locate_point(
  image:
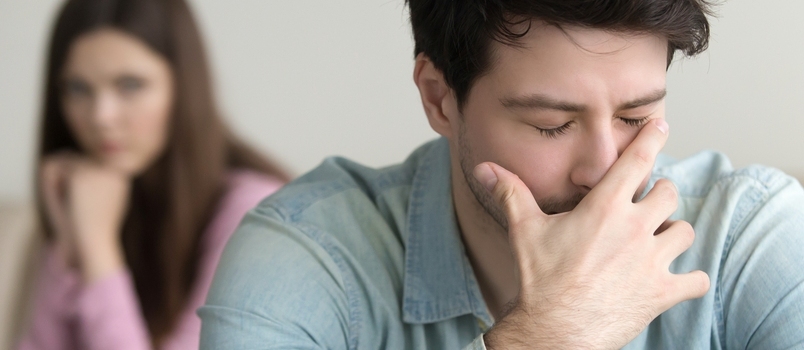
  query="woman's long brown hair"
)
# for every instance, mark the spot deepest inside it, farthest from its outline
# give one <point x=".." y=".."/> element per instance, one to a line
<point x="172" y="201"/>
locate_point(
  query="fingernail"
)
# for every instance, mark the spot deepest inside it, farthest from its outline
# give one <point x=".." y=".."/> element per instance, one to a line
<point x="662" y="125"/>
<point x="486" y="176"/>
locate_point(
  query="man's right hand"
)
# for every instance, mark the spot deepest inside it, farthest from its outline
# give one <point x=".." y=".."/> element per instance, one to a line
<point x="594" y="277"/>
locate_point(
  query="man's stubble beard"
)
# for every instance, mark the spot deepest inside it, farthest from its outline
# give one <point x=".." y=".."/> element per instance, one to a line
<point x="483" y="196"/>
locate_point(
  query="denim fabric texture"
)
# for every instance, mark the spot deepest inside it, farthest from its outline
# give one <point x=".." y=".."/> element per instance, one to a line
<point x="349" y="257"/>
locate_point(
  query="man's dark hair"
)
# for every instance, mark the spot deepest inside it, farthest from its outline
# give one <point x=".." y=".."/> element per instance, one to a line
<point x="457" y="34"/>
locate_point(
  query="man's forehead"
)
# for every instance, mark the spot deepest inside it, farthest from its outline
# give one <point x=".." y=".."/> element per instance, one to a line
<point x="592" y="41"/>
<point x="577" y="66"/>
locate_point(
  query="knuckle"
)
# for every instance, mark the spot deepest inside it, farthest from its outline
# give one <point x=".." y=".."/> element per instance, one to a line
<point x="505" y="198"/>
<point x="703" y="283"/>
<point x="668" y="190"/>
<point x="505" y="195"/>
<point x="686" y="232"/>
<point x="643" y="157"/>
<point x="699" y="283"/>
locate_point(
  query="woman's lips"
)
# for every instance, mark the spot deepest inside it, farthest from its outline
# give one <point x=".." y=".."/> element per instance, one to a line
<point x="111" y="147"/>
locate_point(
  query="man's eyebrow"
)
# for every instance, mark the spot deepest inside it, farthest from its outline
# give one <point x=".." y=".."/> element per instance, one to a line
<point x="540" y="101"/>
<point x="652" y="97"/>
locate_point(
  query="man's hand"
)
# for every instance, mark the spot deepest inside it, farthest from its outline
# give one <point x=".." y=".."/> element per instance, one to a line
<point x="594" y="277"/>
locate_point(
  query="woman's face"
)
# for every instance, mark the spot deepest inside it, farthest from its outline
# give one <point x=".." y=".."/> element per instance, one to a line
<point x="117" y="97"/>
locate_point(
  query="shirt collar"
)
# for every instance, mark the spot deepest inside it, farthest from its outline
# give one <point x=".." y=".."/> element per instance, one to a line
<point x="439" y="281"/>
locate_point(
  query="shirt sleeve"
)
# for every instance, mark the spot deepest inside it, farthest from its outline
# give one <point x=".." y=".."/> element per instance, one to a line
<point x="103" y="315"/>
<point x="275" y="288"/>
<point x="761" y="292"/>
<point x="477" y="344"/>
<point x="54" y="288"/>
<point x="108" y="315"/>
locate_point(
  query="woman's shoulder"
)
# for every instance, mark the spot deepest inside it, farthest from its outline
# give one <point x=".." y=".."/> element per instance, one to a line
<point x="244" y="189"/>
<point x="251" y="184"/>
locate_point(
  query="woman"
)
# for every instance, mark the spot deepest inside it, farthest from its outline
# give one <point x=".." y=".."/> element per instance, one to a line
<point x="140" y="184"/>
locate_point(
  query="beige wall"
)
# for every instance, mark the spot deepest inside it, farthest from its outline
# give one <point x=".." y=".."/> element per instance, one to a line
<point x="307" y="79"/>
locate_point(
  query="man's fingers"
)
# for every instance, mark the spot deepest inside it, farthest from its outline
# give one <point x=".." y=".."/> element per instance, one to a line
<point x="636" y="162"/>
<point x="691" y="285"/>
<point x="673" y="241"/>
<point x="508" y="192"/>
<point x="661" y="201"/>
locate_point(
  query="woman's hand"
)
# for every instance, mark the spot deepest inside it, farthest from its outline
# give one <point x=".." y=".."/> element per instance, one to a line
<point x="86" y="204"/>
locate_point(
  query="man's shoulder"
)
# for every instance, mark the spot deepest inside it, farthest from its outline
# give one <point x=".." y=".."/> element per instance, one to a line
<point x="339" y="210"/>
<point x="707" y="171"/>
<point x="749" y="227"/>
<point x="735" y="209"/>
<point x="335" y="236"/>
<point x="343" y="186"/>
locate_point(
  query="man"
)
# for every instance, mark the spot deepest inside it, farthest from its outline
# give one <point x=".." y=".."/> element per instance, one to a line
<point x="539" y="220"/>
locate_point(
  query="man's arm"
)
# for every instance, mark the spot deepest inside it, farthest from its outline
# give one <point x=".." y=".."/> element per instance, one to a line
<point x="274" y="288"/>
<point x="761" y="284"/>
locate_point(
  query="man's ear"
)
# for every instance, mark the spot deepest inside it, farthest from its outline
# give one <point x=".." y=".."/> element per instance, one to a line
<point x="437" y="98"/>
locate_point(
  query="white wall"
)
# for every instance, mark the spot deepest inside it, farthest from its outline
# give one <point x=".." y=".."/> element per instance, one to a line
<point x="745" y="96"/>
<point x="312" y="78"/>
<point x="23" y="30"/>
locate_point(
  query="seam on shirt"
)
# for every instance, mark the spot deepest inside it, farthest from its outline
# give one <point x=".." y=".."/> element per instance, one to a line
<point x="317" y="236"/>
<point x="755" y="195"/>
<point x="750" y="338"/>
<point x="346" y="276"/>
<point x="242" y="311"/>
<point x="290" y="209"/>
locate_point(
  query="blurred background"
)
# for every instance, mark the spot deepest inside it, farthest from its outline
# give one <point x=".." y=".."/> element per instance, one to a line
<point x="308" y="79"/>
<point x="312" y="78"/>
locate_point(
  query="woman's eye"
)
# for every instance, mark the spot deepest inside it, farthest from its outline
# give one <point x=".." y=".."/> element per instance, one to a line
<point x="76" y="88"/>
<point x="554" y="132"/>
<point x="130" y="84"/>
<point x="634" y="121"/>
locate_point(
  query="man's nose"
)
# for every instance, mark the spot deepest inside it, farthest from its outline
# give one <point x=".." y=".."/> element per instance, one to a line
<point x="594" y="157"/>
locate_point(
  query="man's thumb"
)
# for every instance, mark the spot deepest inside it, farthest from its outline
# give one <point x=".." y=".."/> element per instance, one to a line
<point x="508" y="191"/>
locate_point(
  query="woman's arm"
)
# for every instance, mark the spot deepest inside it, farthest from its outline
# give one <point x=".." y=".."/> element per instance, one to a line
<point x="49" y="318"/>
<point x="107" y="315"/>
<point x="69" y="315"/>
<point x="86" y="297"/>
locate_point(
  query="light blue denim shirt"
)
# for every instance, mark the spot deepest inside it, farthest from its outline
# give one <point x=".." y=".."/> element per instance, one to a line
<point x="349" y="257"/>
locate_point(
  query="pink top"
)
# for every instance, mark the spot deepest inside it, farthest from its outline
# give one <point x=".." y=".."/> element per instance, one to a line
<point x="106" y="314"/>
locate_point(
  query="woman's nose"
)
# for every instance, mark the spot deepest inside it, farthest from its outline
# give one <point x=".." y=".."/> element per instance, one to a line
<point x="106" y="111"/>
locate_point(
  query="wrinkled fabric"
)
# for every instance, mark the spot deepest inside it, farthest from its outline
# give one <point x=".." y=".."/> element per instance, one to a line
<point x="349" y="257"/>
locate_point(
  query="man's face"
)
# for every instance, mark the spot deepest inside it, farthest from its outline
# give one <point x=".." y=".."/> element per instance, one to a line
<point x="559" y="111"/>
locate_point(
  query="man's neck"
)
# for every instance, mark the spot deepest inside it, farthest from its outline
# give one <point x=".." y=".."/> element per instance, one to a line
<point x="487" y="247"/>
